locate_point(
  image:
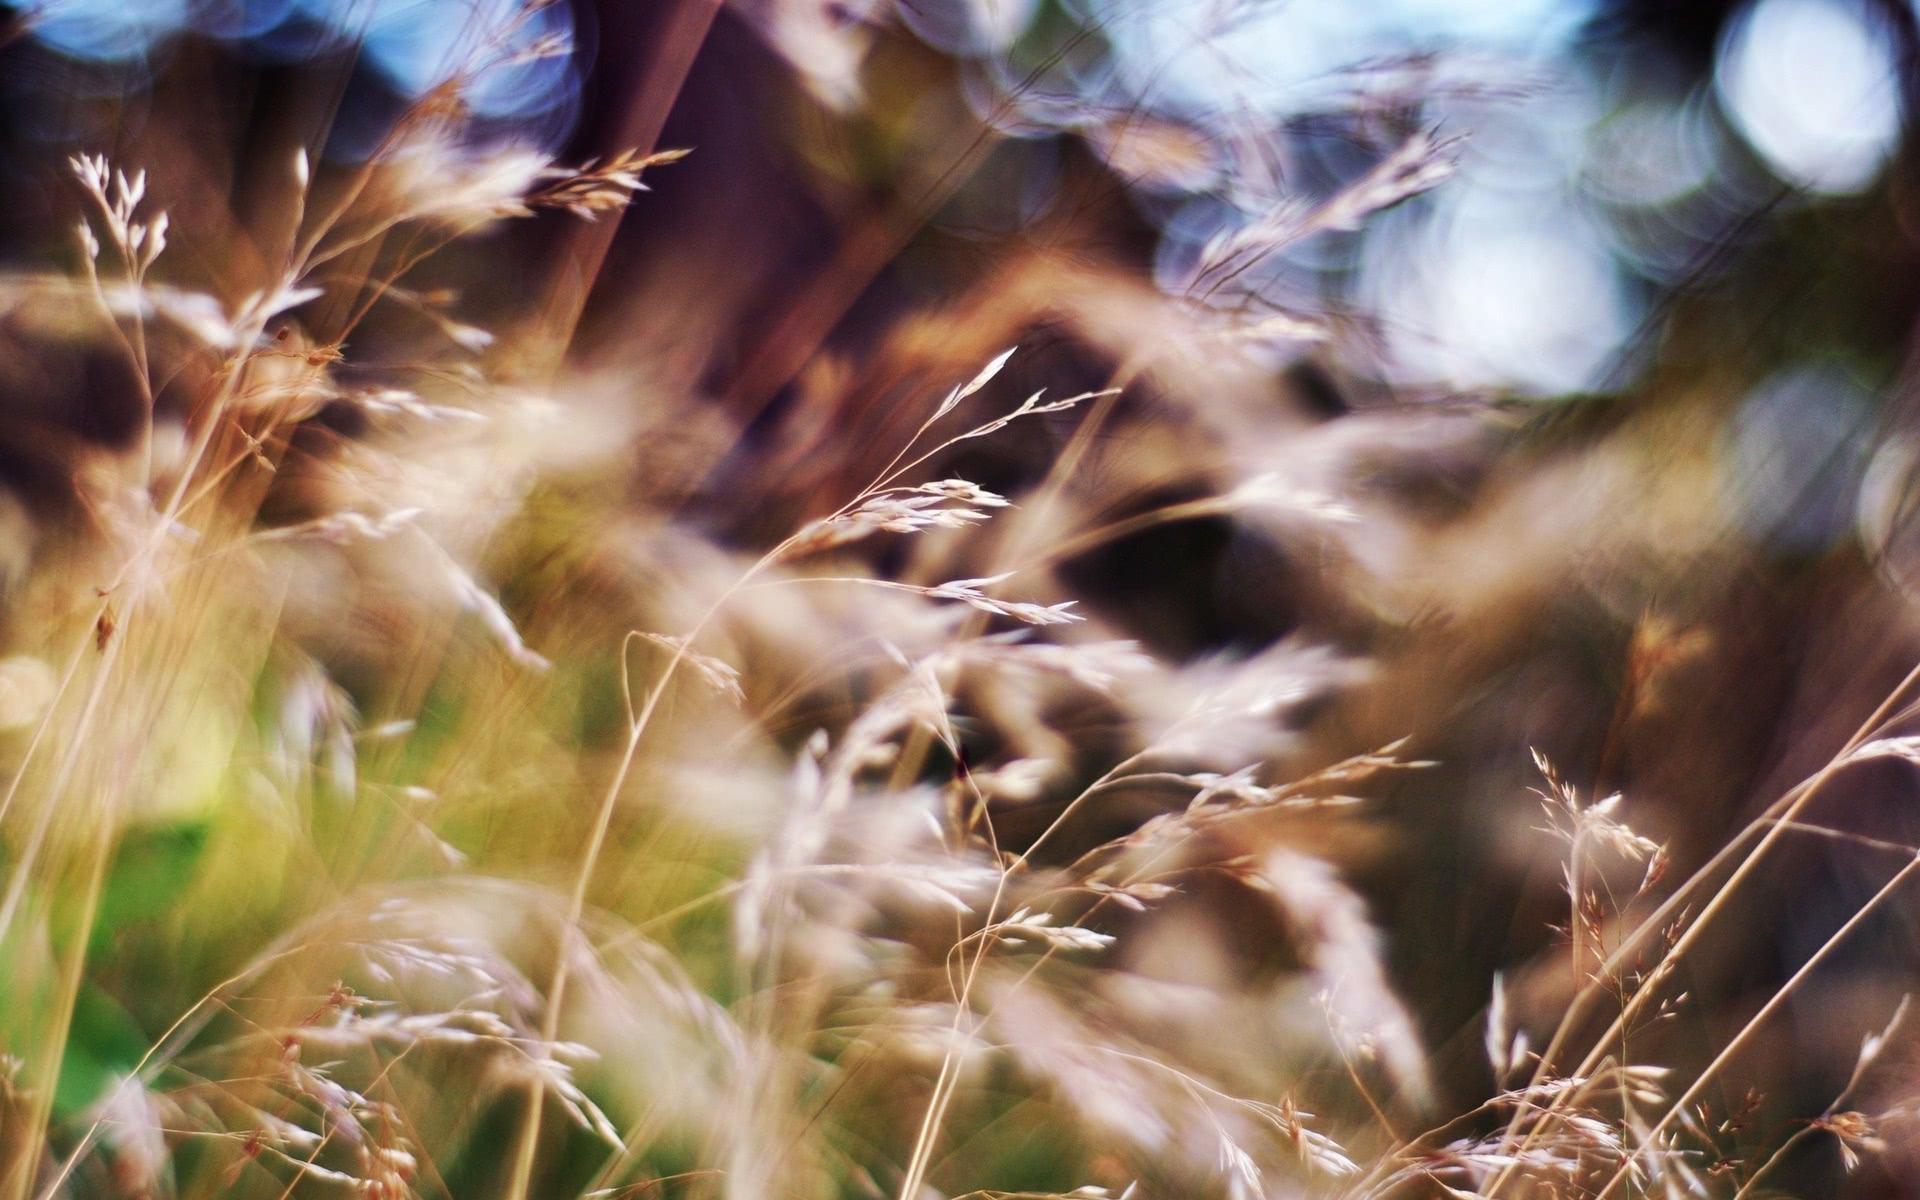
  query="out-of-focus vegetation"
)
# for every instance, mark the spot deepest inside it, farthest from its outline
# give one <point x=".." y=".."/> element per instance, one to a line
<point x="1155" y="598"/>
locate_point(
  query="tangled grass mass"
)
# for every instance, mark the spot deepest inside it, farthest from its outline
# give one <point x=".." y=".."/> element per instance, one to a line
<point x="958" y="599"/>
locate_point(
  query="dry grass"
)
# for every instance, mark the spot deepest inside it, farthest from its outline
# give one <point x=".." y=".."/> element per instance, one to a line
<point x="448" y="775"/>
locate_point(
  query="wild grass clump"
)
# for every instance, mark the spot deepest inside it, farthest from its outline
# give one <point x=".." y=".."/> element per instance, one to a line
<point x="428" y="776"/>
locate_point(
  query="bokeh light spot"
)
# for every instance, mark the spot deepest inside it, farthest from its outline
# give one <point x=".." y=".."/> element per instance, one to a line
<point x="1811" y="85"/>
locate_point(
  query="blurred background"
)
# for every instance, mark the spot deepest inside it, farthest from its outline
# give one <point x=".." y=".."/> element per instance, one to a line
<point x="1615" y="157"/>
